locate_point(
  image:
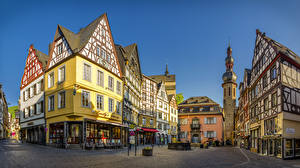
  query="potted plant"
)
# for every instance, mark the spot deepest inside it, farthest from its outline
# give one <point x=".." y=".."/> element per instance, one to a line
<point x="147" y="151"/>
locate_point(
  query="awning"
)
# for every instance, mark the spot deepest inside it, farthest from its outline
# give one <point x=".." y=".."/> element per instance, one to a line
<point x="149" y="130"/>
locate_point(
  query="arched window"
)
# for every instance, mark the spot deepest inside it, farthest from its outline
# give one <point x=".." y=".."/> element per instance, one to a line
<point x="195" y="121"/>
<point x="229" y="90"/>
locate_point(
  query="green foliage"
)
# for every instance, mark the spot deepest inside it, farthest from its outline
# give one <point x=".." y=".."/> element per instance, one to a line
<point x="12" y="110"/>
<point x="179" y="98"/>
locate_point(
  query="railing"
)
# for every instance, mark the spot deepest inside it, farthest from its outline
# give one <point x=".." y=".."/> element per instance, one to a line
<point x="195" y="126"/>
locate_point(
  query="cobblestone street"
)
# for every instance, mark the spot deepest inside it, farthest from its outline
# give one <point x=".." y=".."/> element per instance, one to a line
<point x="13" y="154"/>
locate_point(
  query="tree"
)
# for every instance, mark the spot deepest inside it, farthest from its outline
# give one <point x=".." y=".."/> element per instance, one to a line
<point x="179" y="98"/>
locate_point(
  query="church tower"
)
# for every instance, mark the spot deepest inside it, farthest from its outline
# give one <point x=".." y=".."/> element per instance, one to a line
<point x="229" y="96"/>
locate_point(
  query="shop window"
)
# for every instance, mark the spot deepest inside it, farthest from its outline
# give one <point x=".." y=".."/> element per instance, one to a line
<point x="297" y="147"/>
<point x="289" y="152"/>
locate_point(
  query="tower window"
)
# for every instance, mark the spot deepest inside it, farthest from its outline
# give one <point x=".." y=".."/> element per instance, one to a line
<point x="229" y="90"/>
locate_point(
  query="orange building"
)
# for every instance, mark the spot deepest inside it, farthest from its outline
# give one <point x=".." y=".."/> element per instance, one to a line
<point x="200" y="120"/>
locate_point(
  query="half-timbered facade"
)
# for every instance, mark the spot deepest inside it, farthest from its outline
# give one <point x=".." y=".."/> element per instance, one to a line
<point x="162" y="119"/>
<point x="148" y="114"/>
<point x="130" y="64"/>
<point x="274" y="97"/>
<point x="242" y="125"/>
<point x="84" y="88"/>
<point x="32" y="116"/>
<point x="4" y="122"/>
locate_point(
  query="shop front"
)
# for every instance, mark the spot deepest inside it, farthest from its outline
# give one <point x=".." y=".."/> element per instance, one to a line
<point x="147" y="136"/>
<point x="33" y="134"/>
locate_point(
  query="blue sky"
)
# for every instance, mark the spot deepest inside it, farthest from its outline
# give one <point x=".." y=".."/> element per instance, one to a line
<point x="191" y="36"/>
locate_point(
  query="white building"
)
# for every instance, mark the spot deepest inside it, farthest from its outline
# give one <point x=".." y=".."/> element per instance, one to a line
<point x="32" y="118"/>
<point x="162" y="121"/>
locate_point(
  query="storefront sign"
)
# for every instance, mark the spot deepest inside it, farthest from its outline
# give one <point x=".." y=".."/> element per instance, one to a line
<point x="290" y="130"/>
<point x="108" y="115"/>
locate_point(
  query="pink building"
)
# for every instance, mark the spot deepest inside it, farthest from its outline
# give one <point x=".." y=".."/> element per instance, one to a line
<point x="200" y="120"/>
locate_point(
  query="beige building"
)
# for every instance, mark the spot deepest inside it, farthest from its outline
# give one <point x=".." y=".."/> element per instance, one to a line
<point x="229" y="97"/>
<point x="169" y="81"/>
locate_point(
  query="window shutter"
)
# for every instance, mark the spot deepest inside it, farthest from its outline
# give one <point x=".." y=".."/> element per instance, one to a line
<point x="205" y="134"/>
<point x="205" y="120"/>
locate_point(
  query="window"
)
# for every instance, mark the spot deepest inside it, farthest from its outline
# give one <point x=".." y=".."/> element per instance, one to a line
<point x="159" y="115"/>
<point x="98" y="51"/>
<point x="39" y="107"/>
<point x="210" y="134"/>
<point x="61" y="74"/>
<point x="87" y="72"/>
<point x="273" y="73"/>
<point x="210" y="120"/>
<point x="61" y="99"/>
<point x="265" y="81"/>
<point x="119" y="107"/>
<point x="51" y="103"/>
<point x="31" y="92"/>
<point x="103" y="53"/>
<point x="38" y="87"/>
<point x="111" y="105"/>
<point x="118" y="87"/>
<point x="229" y="90"/>
<point x="102" y="31"/>
<point x="34" y="89"/>
<point x="160" y="104"/>
<point x="85" y="99"/>
<point x="100" y="101"/>
<point x="144" y="121"/>
<point x="59" y="48"/>
<point x="266" y="105"/>
<point x="151" y="87"/>
<point x="183" y="121"/>
<point x="108" y="57"/>
<point x="26" y="112"/>
<point x="100" y="78"/>
<point x="111" y="83"/>
<point x="32" y="110"/>
<point x="42" y="85"/>
<point x="274" y="99"/>
<point x="151" y="121"/>
<point x="51" y="80"/>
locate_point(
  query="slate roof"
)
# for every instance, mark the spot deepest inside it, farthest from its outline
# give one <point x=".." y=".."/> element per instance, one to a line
<point x="280" y="48"/>
<point x="79" y="40"/>
<point x="125" y="53"/>
<point x="198" y="100"/>
<point x="163" y="78"/>
<point x="43" y="58"/>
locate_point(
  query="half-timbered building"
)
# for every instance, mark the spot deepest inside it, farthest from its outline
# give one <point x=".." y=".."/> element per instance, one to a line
<point x="148" y="114"/>
<point x="242" y="125"/>
<point x="32" y="116"/>
<point x="274" y="99"/>
<point x="84" y="88"/>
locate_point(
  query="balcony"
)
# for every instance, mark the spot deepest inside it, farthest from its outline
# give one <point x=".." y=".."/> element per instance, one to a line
<point x="195" y="126"/>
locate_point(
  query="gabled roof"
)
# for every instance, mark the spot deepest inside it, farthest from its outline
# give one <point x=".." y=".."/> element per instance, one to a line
<point x="79" y="40"/>
<point x="124" y="54"/>
<point x="170" y="97"/>
<point x="278" y="47"/>
<point x="163" y="78"/>
<point x="43" y="58"/>
<point x="198" y="100"/>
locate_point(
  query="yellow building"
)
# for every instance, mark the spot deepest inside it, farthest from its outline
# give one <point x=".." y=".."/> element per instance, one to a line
<point x="83" y="88"/>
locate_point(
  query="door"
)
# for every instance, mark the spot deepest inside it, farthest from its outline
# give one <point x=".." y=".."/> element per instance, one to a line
<point x="74" y="133"/>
